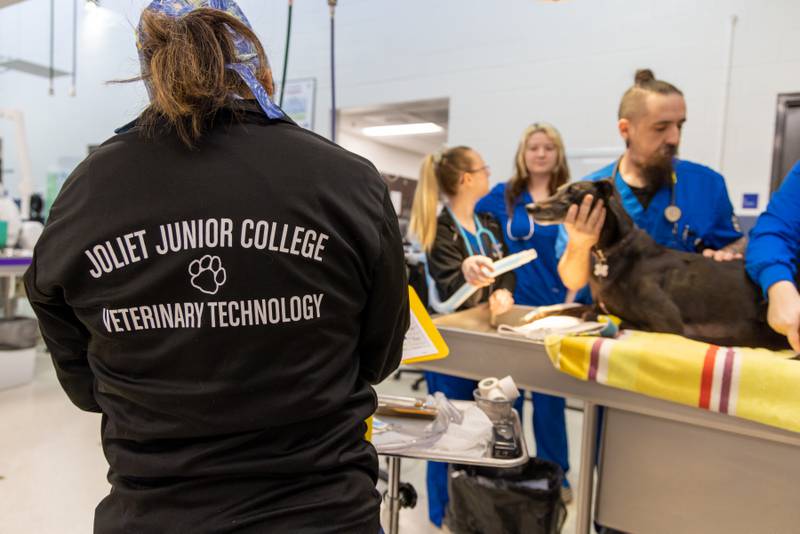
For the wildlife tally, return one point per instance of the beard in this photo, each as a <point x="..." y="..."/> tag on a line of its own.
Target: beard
<point x="657" y="169"/>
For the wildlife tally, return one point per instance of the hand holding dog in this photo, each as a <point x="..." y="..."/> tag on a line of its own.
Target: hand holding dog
<point x="478" y="271"/>
<point x="722" y="254"/>
<point x="783" y="314"/>
<point x="583" y="223"/>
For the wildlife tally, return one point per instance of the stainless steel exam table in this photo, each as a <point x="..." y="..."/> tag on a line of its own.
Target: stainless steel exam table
<point x="664" y="467"/>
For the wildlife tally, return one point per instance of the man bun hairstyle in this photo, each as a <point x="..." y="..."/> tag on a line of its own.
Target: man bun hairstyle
<point x="644" y="82"/>
<point x="643" y="76"/>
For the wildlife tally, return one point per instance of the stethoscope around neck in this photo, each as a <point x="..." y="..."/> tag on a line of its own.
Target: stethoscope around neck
<point x="531" y="227"/>
<point x="480" y="231"/>
<point x="672" y="213"/>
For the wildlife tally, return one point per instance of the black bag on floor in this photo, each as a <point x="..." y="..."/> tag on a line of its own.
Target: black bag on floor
<point x="18" y="333"/>
<point x="486" y="500"/>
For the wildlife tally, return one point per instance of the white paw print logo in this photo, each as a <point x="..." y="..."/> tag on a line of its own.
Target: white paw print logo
<point x="208" y="274"/>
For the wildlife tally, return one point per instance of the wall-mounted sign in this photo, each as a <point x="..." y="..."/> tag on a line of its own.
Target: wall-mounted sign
<point x="299" y="101"/>
<point x="750" y="200"/>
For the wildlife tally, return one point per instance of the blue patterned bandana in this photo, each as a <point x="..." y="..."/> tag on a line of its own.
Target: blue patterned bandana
<point x="247" y="63"/>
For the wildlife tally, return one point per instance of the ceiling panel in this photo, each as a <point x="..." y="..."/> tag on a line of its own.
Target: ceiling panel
<point x="353" y="120"/>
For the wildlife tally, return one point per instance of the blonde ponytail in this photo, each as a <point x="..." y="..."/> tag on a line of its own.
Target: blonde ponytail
<point x="440" y="173"/>
<point x="423" y="211"/>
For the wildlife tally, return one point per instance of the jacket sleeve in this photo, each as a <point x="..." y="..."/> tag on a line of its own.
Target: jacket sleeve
<point x="774" y="246"/>
<point x="444" y="262"/>
<point x="386" y="315"/>
<point x="65" y="336"/>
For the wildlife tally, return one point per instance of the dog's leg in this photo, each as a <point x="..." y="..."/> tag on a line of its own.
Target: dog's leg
<point x="654" y="310"/>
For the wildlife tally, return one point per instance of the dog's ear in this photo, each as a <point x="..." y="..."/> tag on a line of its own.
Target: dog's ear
<point x="605" y="189"/>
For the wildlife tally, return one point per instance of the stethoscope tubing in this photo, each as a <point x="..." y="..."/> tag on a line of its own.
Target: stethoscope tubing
<point x="671" y="192"/>
<point x="479" y="231"/>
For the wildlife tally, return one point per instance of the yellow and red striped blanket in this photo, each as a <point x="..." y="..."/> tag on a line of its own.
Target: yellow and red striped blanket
<point x="755" y="384"/>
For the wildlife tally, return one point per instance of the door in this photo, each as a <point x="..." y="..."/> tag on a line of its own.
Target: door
<point x="786" y="149"/>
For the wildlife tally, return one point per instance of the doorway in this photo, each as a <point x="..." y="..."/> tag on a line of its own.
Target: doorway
<point x="786" y="151"/>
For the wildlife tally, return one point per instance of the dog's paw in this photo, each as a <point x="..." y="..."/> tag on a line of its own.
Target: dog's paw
<point x="208" y="274"/>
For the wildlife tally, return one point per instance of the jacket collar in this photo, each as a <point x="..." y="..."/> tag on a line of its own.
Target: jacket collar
<point x="250" y="108"/>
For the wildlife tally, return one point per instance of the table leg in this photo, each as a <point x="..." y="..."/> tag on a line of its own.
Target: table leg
<point x="7" y="286"/>
<point x="586" y="479"/>
<point x="393" y="495"/>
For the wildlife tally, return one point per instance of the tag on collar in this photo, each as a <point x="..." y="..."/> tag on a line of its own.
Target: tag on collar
<point x="600" y="265"/>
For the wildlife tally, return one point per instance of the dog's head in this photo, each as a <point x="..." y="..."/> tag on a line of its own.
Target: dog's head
<point x="554" y="209"/>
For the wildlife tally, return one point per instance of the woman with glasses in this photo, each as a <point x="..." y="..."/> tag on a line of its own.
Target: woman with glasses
<point x="540" y="167"/>
<point x="460" y="247"/>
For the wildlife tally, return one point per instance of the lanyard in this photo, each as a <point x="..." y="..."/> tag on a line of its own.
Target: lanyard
<point x="480" y="231"/>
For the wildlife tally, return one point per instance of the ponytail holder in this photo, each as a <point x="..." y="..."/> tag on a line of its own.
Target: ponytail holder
<point x="439" y="155"/>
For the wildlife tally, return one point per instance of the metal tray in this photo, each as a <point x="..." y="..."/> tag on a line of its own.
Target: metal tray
<point x="432" y="454"/>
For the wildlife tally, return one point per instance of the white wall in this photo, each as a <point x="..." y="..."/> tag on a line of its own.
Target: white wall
<point x="502" y="64"/>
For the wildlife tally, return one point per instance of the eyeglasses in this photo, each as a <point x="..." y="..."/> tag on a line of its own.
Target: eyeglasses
<point x="479" y="169"/>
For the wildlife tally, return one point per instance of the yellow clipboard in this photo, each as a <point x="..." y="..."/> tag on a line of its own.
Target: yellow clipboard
<point x="423" y="341"/>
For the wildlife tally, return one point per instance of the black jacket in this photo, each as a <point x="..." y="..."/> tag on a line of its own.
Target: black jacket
<point x="233" y="362"/>
<point x="449" y="251"/>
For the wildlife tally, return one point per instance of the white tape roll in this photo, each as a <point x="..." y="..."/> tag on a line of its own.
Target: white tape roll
<point x="507" y="386"/>
<point x="496" y="394"/>
<point x="485" y="385"/>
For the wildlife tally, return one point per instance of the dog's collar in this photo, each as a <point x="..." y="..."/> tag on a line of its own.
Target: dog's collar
<point x="601" y="257"/>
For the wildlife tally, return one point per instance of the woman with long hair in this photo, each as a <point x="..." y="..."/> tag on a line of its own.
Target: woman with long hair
<point x="460" y="247"/>
<point x="224" y="287"/>
<point x="540" y="167"/>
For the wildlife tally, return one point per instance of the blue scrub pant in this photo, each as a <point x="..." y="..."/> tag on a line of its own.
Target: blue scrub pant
<point x="550" y="432"/>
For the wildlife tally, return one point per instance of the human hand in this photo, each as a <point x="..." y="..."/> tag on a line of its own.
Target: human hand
<point x="783" y="314"/>
<point x="500" y="301"/>
<point x="584" y="223"/>
<point x="722" y="254"/>
<point x="478" y="271"/>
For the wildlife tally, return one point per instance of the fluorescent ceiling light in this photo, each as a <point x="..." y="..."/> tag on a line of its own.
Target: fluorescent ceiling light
<point x="402" y="129"/>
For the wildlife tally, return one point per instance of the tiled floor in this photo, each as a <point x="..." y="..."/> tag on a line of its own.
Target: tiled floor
<point x="52" y="469"/>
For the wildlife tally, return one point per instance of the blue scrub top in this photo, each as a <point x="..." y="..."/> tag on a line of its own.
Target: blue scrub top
<point x="707" y="218"/>
<point x="774" y="249"/>
<point x="538" y="282"/>
<point x="475" y="244"/>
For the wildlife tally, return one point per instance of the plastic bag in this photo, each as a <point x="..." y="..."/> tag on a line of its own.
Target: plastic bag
<point x="399" y="434"/>
<point x="486" y="500"/>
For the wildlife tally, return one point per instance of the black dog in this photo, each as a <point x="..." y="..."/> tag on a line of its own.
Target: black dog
<point x="652" y="287"/>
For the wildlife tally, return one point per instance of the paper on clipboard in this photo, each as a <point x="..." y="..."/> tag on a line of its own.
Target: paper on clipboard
<point x="423" y="341"/>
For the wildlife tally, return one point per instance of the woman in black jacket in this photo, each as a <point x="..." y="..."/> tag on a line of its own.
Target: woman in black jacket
<point x="460" y="248"/>
<point x="223" y="286"/>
